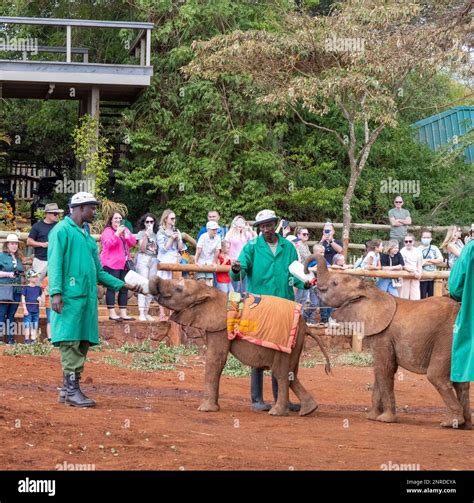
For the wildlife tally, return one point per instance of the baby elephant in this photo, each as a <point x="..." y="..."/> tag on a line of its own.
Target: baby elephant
<point x="413" y="334"/>
<point x="197" y="305"/>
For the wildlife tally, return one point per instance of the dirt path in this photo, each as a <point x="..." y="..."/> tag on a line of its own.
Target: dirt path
<point x="149" y="421"/>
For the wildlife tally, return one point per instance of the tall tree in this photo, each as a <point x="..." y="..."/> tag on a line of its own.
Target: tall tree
<point x="358" y="60"/>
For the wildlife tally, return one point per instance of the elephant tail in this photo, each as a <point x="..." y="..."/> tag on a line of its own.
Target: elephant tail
<point x="327" y="367"/>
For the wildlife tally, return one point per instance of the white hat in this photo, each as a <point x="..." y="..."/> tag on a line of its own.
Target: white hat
<point x="265" y="216"/>
<point x="82" y="198"/>
<point x="12" y="238"/>
<point x="212" y="225"/>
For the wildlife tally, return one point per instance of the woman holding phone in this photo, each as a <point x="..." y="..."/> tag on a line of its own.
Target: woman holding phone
<point x="147" y="259"/>
<point x="116" y="243"/>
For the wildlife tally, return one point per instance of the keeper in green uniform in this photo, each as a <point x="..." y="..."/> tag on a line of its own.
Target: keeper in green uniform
<point x="74" y="270"/>
<point x="461" y="288"/>
<point x="265" y="261"/>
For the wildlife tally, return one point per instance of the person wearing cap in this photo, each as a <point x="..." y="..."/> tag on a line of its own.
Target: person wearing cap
<point x="38" y="237"/>
<point x="74" y="270"/>
<point x="30" y="299"/>
<point x="11" y="267"/>
<point x="265" y="261"/>
<point x="213" y="216"/>
<point x="207" y="250"/>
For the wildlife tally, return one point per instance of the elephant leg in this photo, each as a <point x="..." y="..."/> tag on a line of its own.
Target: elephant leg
<point x="462" y="392"/>
<point x="439" y="378"/>
<point x="308" y="404"/>
<point x="216" y="356"/>
<point x="385" y="366"/>
<point x="377" y="407"/>
<point x="280" y="408"/>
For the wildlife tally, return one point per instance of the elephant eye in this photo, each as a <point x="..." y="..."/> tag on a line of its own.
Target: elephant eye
<point x="179" y="289"/>
<point x="334" y="282"/>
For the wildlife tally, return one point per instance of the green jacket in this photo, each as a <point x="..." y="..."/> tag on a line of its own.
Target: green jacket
<point x="461" y="287"/>
<point x="6" y="265"/>
<point x="267" y="273"/>
<point x="74" y="270"/>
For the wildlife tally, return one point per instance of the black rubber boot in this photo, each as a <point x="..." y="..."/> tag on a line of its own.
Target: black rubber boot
<point x="63" y="391"/>
<point x="256" y="391"/>
<point x="74" y="395"/>
<point x="294" y="407"/>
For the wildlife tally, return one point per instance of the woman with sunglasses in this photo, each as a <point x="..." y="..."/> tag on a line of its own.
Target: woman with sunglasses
<point x="413" y="259"/>
<point x="147" y="259"/>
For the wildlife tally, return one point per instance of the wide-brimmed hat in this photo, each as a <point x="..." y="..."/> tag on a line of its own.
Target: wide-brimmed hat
<point x="12" y="238"/>
<point x="31" y="273"/>
<point x="82" y="198"/>
<point x="265" y="216"/>
<point x="212" y="225"/>
<point x="52" y="208"/>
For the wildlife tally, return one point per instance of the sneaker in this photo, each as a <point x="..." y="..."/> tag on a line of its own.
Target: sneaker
<point x="311" y="324"/>
<point x="142" y="318"/>
<point x="150" y="318"/>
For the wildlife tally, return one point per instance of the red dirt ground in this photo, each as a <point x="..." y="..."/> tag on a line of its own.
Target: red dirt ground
<point x="150" y="421"/>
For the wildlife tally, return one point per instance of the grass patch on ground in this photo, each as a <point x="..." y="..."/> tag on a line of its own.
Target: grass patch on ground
<point x="234" y="368"/>
<point x="37" y="349"/>
<point x="149" y="359"/>
<point x="354" y="360"/>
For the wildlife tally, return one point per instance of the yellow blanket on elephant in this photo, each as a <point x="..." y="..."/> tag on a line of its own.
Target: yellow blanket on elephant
<point x="263" y="320"/>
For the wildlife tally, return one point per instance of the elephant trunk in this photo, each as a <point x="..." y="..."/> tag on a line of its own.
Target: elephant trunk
<point x="154" y="285"/>
<point x="322" y="270"/>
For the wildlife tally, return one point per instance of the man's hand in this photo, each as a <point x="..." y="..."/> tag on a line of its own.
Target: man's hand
<point x="235" y="266"/>
<point x="45" y="245"/>
<point x="134" y="288"/>
<point x="57" y="303"/>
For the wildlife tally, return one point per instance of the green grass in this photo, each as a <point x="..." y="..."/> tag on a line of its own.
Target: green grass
<point x="37" y="349"/>
<point x="235" y="368"/>
<point x="149" y="359"/>
<point x="354" y="359"/>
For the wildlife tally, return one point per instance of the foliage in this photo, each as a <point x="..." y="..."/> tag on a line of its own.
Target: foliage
<point x="7" y="218"/>
<point x="196" y="144"/>
<point x="96" y="155"/>
<point x="37" y="349"/>
<point x="235" y="368"/>
<point x="354" y="359"/>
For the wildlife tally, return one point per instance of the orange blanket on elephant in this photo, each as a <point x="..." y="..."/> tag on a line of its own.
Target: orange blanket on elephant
<point x="264" y="320"/>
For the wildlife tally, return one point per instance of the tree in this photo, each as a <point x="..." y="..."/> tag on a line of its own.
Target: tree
<point x="356" y="60"/>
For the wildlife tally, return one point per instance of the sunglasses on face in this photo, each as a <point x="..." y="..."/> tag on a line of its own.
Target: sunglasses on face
<point x="410" y="241"/>
<point x="149" y="221"/>
<point x="399" y="202"/>
<point x="304" y="234"/>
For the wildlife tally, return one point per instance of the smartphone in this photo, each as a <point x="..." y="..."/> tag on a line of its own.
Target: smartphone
<point x="285" y="224"/>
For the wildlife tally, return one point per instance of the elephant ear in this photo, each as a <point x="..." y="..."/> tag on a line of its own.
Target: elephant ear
<point x="207" y="312"/>
<point x="372" y="312"/>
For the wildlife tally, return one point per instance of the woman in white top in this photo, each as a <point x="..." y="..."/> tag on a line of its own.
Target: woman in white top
<point x="372" y="260"/>
<point x="207" y="250"/>
<point x="413" y="259"/>
<point x="452" y="244"/>
<point x="170" y="243"/>
<point x="146" y="259"/>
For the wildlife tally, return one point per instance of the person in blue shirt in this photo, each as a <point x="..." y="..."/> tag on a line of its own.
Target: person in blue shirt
<point x="31" y="298"/>
<point x="213" y="216"/>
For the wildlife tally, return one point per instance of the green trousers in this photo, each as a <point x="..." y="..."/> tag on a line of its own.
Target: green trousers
<point x="73" y="355"/>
